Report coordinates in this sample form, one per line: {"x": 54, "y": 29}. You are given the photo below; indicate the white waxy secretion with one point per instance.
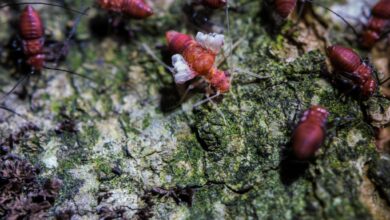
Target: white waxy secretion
{"x": 182, "y": 71}
{"x": 212, "y": 41}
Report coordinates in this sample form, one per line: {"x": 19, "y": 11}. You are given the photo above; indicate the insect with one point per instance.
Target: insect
{"x": 377, "y": 23}
{"x": 215, "y": 4}
{"x": 310, "y": 133}
{"x": 284, "y": 7}
{"x": 137, "y": 9}
{"x": 194, "y": 58}
{"x": 41, "y": 3}
{"x": 32, "y": 43}
{"x": 32, "y": 35}
{"x": 349, "y": 67}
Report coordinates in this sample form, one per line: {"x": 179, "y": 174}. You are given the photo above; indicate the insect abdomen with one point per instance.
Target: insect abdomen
{"x": 310, "y": 132}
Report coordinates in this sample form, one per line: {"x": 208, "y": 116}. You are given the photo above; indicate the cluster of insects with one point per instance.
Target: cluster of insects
{"x": 354, "y": 74}
{"x": 196, "y": 58}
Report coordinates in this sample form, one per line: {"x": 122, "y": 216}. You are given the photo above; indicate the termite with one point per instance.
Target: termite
{"x": 41, "y": 3}
{"x": 31, "y": 31}
{"x": 214, "y": 4}
{"x": 32, "y": 35}
{"x": 284, "y": 7}
{"x": 349, "y": 66}
{"x": 310, "y": 133}
{"x": 377, "y": 24}
{"x": 137, "y": 9}
{"x": 196, "y": 57}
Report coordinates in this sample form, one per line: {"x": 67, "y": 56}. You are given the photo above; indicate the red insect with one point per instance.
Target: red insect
{"x": 213, "y": 3}
{"x": 138, "y": 9}
{"x": 349, "y": 65}
{"x": 378, "y": 22}
{"x": 196, "y": 58}
{"x": 32, "y": 35}
{"x": 31, "y": 32}
{"x": 284, "y": 7}
{"x": 310, "y": 133}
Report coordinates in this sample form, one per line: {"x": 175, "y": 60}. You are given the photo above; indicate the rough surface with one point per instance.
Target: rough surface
{"x": 124, "y": 147}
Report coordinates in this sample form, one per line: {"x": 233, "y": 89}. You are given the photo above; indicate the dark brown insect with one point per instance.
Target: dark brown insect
{"x": 349, "y": 67}
{"x": 310, "y": 133}
{"x": 138, "y": 9}
{"x": 378, "y": 22}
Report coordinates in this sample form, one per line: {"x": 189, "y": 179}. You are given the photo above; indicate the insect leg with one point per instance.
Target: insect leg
{"x": 153, "y": 55}
{"x": 25, "y": 77}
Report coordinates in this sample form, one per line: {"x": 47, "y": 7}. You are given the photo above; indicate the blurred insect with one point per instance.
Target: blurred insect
{"x": 214, "y": 4}
{"x": 284, "y": 7}
{"x": 41, "y": 3}
{"x": 137, "y": 9}
{"x": 378, "y": 24}
{"x": 32, "y": 41}
{"x": 350, "y": 68}
{"x": 310, "y": 133}
{"x": 194, "y": 58}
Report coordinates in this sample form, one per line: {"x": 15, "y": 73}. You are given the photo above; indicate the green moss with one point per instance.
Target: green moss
{"x": 231, "y": 153}
{"x": 379, "y": 174}
{"x": 243, "y": 148}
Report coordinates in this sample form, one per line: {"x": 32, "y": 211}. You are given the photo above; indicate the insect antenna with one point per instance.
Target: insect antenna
{"x": 70, "y": 35}
{"x": 210, "y": 99}
{"x": 153, "y": 55}
{"x": 13, "y": 112}
{"x": 42, "y": 3}
{"x": 244, "y": 71}
{"x": 70, "y": 72}
{"x": 231, "y": 46}
{"x": 384, "y": 81}
{"x": 335, "y": 13}
{"x": 66, "y": 42}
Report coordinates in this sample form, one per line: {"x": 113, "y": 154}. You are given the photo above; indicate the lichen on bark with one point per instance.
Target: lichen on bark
{"x": 123, "y": 147}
